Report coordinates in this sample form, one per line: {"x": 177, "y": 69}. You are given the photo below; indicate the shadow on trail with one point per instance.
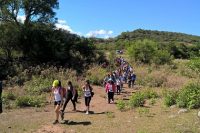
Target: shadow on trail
{"x": 84, "y": 123}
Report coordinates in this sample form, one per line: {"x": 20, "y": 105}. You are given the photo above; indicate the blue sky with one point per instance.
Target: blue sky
{"x": 108, "y": 18}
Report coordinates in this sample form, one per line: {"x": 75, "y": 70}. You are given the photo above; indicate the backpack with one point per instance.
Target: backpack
{"x": 63, "y": 90}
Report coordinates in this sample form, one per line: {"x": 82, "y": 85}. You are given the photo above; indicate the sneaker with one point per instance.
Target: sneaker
{"x": 55, "y": 122}
{"x": 62, "y": 115}
{"x": 87, "y": 113}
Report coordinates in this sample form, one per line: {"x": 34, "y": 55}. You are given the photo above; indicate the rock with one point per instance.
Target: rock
{"x": 182, "y": 111}
{"x": 198, "y": 114}
{"x": 173, "y": 106}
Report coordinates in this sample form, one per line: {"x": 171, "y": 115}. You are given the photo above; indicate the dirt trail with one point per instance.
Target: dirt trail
{"x": 99, "y": 105}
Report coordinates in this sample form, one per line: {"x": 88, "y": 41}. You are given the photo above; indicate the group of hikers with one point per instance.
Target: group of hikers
{"x": 113, "y": 83}
{"x": 63, "y": 95}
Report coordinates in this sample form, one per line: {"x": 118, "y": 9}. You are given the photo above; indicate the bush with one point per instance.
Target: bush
{"x": 38, "y": 85}
{"x": 170, "y": 97}
{"x": 121, "y": 105}
{"x": 137, "y": 100}
{"x": 30, "y": 101}
{"x": 189, "y": 96}
{"x": 96, "y": 75}
{"x": 9, "y": 95}
{"x": 150, "y": 93}
{"x": 162, "y": 57}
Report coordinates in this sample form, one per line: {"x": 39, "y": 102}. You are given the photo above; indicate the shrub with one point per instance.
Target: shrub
{"x": 121, "y": 105}
{"x": 162, "y": 57}
{"x": 152, "y": 101}
{"x": 189, "y": 96}
{"x": 137, "y": 100}
{"x": 9, "y": 95}
{"x": 96, "y": 75}
{"x": 170, "y": 97}
{"x": 150, "y": 93}
{"x": 30, "y": 101}
{"x": 38, "y": 85}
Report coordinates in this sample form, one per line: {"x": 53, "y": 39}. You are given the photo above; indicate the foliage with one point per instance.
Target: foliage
{"x": 137, "y": 100}
{"x": 38, "y": 85}
{"x": 142, "y": 51}
{"x": 30, "y": 101}
{"x": 96, "y": 75}
{"x": 194, "y": 64}
{"x": 110, "y": 114}
{"x": 170, "y": 97}
{"x": 150, "y": 93}
{"x": 189, "y": 96}
{"x": 162, "y": 57}
{"x": 121, "y": 105}
{"x": 9, "y": 95}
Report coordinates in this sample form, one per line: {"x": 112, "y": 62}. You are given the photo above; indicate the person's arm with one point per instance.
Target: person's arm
{"x": 106, "y": 88}
{"x": 74, "y": 93}
{"x": 61, "y": 93}
{"x": 51, "y": 95}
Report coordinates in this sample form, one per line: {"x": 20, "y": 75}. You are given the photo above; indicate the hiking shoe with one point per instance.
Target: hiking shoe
{"x": 87, "y": 113}
{"x": 62, "y": 115}
{"x": 55, "y": 122}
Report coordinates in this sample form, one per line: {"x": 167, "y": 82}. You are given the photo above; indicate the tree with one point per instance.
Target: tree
{"x": 142, "y": 51}
{"x": 32, "y": 10}
{"x": 9, "y": 39}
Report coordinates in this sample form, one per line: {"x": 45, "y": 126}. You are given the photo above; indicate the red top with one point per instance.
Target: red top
{"x": 110, "y": 87}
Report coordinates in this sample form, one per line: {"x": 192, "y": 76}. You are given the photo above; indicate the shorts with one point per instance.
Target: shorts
{"x": 57, "y": 103}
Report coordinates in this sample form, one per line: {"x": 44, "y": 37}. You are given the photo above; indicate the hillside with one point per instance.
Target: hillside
{"x": 158, "y": 36}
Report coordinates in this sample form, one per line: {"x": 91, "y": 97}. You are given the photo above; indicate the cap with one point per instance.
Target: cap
{"x": 55, "y": 83}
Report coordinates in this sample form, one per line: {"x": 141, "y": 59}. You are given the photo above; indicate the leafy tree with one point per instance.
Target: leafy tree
{"x": 142, "y": 51}
{"x": 33, "y": 10}
{"x": 9, "y": 38}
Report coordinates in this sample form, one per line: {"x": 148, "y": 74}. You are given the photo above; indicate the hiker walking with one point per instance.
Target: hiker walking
{"x": 87, "y": 89}
{"x": 110, "y": 90}
{"x": 118, "y": 82}
{"x": 71, "y": 94}
{"x": 58, "y": 99}
{"x": 1, "y": 88}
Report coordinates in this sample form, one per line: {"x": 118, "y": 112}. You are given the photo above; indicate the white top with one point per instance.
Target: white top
{"x": 57, "y": 96}
{"x": 87, "y": 92}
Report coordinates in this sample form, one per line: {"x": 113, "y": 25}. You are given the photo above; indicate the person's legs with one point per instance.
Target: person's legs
{"x": 133, "y": 82}
{"x": 112, "y": 96}
{"x": 74, "y": 104}
{"x": 109, "y": 97}
{"x": 88, "y": 99}
{"x": 57, "y": 111}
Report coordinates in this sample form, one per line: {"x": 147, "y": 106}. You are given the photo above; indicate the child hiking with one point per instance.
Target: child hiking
{"x": 110, "y": 90}
{"x": 58, "y": 99}
{"x": 70, "y": 95}
{"x": 87, "y": 89}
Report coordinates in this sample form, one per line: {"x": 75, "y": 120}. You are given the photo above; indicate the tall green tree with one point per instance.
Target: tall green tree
{"x": 31, "y": 10}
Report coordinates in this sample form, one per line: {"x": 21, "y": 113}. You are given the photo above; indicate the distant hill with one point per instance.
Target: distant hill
{"x": 158, "y": 36}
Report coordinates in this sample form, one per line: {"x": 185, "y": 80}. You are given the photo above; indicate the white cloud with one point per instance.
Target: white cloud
{"x": 100, "y": 33}
{"x": 62, "y": 24}
{"x": 21, "y": 18}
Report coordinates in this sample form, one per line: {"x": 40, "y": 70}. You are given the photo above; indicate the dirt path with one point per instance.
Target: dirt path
{"x": 98, "y": 106}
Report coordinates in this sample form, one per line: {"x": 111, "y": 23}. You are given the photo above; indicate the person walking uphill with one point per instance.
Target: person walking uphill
{"x": 1, "y": 88}
{"x": 87, "y": 89}
{"x": 58, "y": 99}
{"x": 110, "y": 90}
{"x": 71, "y": 94}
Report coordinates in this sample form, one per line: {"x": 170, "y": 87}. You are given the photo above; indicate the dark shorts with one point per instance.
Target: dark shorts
{"x": 57, "y": 102}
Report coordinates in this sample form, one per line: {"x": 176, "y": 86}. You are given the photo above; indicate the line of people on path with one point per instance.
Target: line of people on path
{"x": 114, "y": 81}
{"x": 63, "y": 95}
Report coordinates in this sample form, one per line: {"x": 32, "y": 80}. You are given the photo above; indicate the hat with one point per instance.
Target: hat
{"x": 55, "y": 83}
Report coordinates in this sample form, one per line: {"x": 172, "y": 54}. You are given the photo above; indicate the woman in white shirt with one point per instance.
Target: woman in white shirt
{"x": 87, "y": 89}
{"x": 58, "y": 99}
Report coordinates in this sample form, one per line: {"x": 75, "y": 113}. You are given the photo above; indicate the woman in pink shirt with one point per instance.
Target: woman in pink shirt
{"x": 110, "y": 90}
